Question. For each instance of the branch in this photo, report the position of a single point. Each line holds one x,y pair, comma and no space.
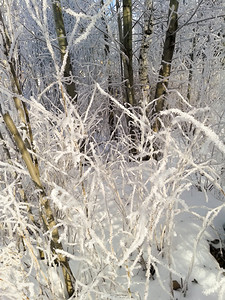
192,15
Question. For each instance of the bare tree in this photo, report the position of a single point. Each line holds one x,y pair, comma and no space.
145,44
31,162
63,44
107,59
128,51
166,62
190,75
120,34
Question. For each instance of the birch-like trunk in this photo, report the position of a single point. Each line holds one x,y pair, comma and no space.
32,163
19,104
143,57
165,69
23,117
106,58
120,33
63,44
46,211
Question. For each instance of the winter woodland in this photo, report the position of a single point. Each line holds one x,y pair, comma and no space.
112,149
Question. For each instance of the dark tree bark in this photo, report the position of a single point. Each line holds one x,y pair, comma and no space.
128,51
165,69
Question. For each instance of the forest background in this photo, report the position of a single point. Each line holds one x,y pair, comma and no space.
110,112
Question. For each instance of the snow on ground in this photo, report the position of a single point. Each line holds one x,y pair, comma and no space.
199,218
205,277
108,243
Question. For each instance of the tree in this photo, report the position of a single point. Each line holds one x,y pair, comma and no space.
78,206
166,62
144,51
63,45
128,52
31,162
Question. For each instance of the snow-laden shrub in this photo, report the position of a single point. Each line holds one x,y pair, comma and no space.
116,214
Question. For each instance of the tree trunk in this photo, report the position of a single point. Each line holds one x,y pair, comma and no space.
19,104
120,32
106,58
46,211
128,53
143,57
63,44
190,74
32,164
165,70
